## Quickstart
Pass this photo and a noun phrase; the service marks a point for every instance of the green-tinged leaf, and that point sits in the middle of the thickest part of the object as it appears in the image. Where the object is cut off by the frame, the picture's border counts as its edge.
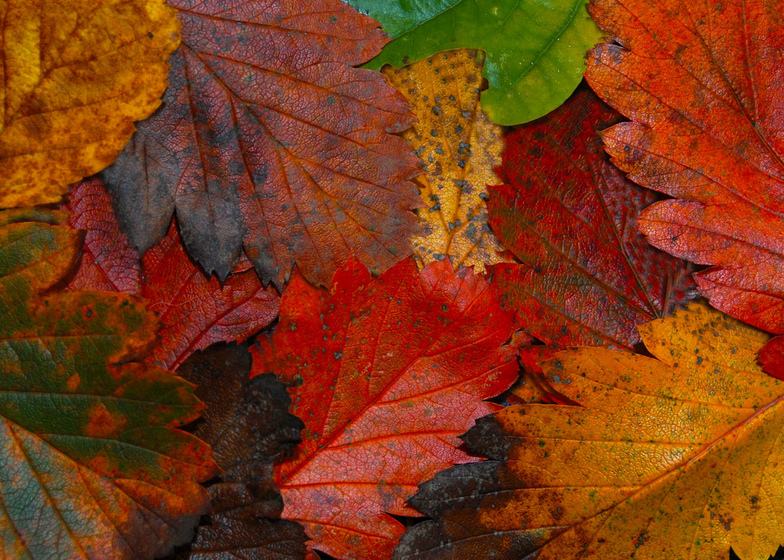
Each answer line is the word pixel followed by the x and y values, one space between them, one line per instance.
pixel 535 48
pixel 91 465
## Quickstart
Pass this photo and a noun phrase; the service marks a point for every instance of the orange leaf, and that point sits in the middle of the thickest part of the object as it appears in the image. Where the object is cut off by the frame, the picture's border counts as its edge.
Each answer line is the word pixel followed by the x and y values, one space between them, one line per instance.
pixel 678 456
pixel 702 85
pixel 391 370
pixel 75 75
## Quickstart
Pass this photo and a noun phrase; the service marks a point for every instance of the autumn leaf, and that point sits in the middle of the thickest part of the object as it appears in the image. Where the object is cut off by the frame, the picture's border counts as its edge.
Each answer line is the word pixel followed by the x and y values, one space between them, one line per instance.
pixel 195 311
pixel 247 424
pixel 676 456
pixel 535 50
pixel 270 140
pixel 459 148
pixel 392 370
pixel 587 276
pixel 75 76
pixel 93 463
pixel 702 85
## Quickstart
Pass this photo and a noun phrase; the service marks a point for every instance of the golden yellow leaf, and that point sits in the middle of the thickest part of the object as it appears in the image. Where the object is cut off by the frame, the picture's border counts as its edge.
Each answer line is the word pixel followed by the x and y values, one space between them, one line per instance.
pixel 75 74
pixel 459 147
pixel 680 456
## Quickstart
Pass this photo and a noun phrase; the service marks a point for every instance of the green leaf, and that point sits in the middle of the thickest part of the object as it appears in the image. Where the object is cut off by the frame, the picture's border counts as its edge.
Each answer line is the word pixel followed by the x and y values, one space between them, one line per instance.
pixel 91 462
pixel 535 48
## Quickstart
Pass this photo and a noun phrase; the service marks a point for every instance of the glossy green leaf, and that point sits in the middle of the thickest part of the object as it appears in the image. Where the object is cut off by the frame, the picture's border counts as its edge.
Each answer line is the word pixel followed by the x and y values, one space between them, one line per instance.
pixel 535 48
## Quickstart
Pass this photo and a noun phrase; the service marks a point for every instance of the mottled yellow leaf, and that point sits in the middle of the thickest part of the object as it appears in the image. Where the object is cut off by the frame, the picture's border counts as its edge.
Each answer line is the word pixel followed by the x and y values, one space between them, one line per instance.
pixel 75 75
pixel 459 147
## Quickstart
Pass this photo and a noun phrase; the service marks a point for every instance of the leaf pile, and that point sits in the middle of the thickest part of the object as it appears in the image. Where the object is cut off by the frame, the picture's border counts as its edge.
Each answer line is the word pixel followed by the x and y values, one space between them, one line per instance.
pixel 373 250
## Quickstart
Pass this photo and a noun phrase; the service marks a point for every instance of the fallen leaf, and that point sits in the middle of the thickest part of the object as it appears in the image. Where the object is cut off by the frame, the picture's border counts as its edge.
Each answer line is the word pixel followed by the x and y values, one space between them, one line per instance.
pixel 247 424
pixel 195 311
pixel 535 50
pixel 392 370
pixel 93 465
pixel 674 457
pixel 701 84
pixel 75 76
pixel 270 140
pixel 587 276
pixel 459 148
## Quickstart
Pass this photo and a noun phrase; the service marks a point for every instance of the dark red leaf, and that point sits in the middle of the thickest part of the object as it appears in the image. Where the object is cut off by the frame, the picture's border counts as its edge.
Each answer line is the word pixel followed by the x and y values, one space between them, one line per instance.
pixel 270 140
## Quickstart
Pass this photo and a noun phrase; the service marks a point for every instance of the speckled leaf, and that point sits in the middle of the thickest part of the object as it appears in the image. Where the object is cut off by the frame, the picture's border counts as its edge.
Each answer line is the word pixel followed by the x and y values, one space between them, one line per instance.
pixel 195 311
pixel 392 370
pixel 679 456
pixel 701 83
pixel 92 463
pixel 248 425
pixel 535 48
pixel 459 148
pixel 75 75
pixel 270 140
pixel 587 276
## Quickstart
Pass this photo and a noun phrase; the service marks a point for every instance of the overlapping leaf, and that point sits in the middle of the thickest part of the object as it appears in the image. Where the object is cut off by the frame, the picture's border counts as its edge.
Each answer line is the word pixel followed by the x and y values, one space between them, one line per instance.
pixel 75 75
pixel 248 425
pixel 535 50
pixel 587 275
pixel 702 85
pixel 92 463
pixel 675 457
pixel 270 140
pixel 459 148
pixel 392 370
pixel 195 311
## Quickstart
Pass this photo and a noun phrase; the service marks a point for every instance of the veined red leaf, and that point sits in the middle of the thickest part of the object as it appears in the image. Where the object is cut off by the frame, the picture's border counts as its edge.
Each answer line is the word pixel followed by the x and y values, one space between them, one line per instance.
pixel 391 370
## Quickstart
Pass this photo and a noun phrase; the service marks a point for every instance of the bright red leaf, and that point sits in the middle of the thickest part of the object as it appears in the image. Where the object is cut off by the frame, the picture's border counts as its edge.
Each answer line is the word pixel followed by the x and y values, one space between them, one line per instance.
pixel 702 85
pixel 391 370
pixel 195 311
pixel 587 276
pixel 269 139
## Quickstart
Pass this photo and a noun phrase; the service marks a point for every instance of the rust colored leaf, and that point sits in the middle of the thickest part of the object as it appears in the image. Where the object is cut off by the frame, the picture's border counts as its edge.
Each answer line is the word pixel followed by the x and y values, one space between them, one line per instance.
pixel 93 465
pixel 678 456
pixel 247 424
pixel 702 85
pixel 75 75
pixel 270 140
pixel 587 276
pixel 392 370
pixel 195 311
pixel 458 147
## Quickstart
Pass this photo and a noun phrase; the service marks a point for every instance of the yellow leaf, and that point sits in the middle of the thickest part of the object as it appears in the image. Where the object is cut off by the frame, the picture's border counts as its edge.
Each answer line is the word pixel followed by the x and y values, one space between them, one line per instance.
pixel 677 457
pixel 459 147
pixel 75 75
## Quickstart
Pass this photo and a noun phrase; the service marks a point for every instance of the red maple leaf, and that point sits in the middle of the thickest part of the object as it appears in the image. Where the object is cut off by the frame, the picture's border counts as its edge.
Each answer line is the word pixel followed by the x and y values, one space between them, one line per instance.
pixel 270 140
pixel 587 276
pixel 702 85
pixel 391 370
pixel 195 311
